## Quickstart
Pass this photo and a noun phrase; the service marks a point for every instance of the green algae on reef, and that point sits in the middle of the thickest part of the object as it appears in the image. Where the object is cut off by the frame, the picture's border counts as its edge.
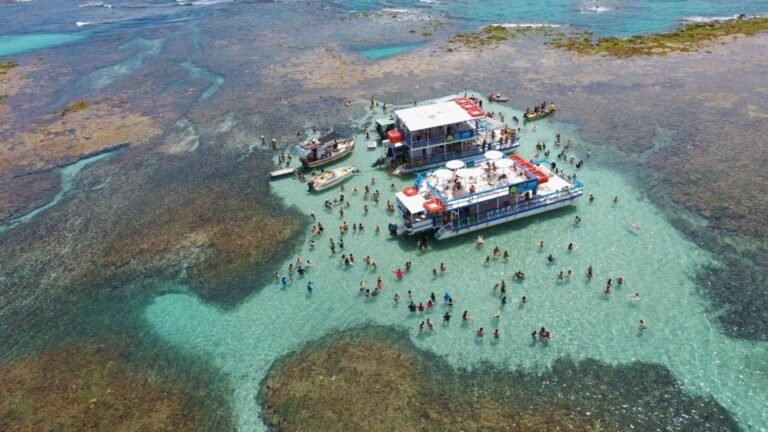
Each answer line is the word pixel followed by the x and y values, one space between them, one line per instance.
pixel 376 379
pixel 7 65
pixel 78 105
pixel 683 39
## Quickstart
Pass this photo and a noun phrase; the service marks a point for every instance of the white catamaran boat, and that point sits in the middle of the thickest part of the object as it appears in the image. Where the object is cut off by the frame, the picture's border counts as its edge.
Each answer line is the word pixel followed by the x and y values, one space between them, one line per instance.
pixel 330 178
pixel 460 198
pixel 426 136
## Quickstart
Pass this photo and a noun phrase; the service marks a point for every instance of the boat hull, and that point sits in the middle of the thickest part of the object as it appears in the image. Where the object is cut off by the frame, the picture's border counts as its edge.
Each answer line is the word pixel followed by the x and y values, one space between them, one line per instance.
pixel 308 163
pixel 318 186
pixel 444 234
pixel 538 116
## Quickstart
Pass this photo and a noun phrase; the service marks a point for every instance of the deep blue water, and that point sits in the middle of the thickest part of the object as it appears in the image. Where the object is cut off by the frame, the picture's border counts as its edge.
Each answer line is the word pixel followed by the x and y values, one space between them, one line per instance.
pixel 603 17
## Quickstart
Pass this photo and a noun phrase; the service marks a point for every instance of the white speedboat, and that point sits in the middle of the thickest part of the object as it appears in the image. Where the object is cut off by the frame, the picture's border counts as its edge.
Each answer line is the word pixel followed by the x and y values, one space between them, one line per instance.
pixel 328 178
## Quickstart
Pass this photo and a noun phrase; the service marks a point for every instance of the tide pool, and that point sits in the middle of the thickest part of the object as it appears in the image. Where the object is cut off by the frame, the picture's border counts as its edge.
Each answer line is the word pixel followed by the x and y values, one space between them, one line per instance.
pixel 22 43
pixel 377 53
pixel 656 261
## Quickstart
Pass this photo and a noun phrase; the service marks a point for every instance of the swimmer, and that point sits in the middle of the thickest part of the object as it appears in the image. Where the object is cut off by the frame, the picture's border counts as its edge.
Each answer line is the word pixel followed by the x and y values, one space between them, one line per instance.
pixel 362 285
pixel 411 307
pixel 550 258
pixel 496 251
pixel 571 246
pixel 285 281
pixel 430 324
pixel 577 220
pixel 607 290
pixel 465 316
pixel 422 325
pixel 523 300
pixel 480 332
pixel 447 317
pixel 642 325
pixel 635 297
pixel 432 296
pixel 620 280
pixel 487 259
pixel 443 267
pixel 591 198
pixel 311 244
pixel 397 297
pixel 421 307
pixel 616 200
pixel 377 229
pixel 480 241
pixel 503 301
pixel 568 274
pixel 310 285
pixel 497 315
pixel 313 216
pixel 496 333
pixel 541 244
pixel 633 225
pixel 398 273
pixel 560 276
pixel 410 295
pixel 589 271
pixel 379 283
pixel 434 272
pixel 506 255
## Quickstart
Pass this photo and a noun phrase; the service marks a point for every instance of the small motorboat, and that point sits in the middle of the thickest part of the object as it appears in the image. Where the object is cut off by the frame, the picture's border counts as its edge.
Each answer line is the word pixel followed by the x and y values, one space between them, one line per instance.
pixel 330 178
pixel 281 173
pixel 532 116
pixel 497 97
pixel 327 152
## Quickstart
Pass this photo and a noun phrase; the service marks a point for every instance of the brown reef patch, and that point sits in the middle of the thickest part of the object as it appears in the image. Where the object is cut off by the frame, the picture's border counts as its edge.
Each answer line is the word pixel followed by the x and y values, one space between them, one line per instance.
pixel 374 386
pixel 65 139
pixel 375 379
pixel 87 387
pixel 20 195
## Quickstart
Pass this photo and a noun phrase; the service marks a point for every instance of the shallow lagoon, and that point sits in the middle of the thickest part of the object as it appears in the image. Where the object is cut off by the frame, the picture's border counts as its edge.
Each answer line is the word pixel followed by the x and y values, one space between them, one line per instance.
pixel 656 261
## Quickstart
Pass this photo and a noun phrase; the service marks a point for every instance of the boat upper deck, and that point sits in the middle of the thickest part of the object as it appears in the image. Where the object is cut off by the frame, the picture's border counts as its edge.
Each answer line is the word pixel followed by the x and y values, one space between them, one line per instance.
pixel 488 179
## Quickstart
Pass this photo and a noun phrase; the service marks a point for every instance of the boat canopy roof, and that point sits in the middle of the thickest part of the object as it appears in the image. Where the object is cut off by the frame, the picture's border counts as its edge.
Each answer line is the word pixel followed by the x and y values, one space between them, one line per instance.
pixel 414 203
pixel 433 115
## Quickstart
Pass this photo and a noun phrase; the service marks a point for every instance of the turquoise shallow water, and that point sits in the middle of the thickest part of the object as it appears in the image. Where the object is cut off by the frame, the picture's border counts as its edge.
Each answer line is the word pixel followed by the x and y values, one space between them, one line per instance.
pixel 656 261
pixel 376 53
pixel 21 43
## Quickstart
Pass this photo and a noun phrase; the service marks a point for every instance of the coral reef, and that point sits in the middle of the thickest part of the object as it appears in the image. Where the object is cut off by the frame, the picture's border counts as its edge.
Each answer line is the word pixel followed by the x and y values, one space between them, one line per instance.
pixel 687 37
pixel 375 379
pixel 91 387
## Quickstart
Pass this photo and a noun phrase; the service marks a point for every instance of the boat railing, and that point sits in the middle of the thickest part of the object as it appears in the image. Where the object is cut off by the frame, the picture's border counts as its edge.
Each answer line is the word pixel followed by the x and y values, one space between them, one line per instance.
pixel 454 137
pixel 494 145
pixel 520 207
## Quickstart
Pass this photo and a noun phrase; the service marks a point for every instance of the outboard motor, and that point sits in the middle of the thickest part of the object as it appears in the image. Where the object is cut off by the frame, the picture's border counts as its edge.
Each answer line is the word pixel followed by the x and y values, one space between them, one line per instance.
pixel 378 162
pixel 393 229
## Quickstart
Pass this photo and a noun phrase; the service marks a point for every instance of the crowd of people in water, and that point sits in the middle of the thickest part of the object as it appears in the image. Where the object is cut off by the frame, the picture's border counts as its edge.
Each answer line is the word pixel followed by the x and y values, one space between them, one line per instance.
pixel 370 196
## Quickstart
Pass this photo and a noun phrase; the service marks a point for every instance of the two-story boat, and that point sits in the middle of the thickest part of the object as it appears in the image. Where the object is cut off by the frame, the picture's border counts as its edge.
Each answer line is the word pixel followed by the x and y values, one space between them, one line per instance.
pixel 426 136
pixel 463 198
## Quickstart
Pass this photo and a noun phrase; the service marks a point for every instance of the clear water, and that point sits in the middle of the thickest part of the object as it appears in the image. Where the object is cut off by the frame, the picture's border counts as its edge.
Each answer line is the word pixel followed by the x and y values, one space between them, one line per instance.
pixel 21 43
pixel 656 261
pixel 376 53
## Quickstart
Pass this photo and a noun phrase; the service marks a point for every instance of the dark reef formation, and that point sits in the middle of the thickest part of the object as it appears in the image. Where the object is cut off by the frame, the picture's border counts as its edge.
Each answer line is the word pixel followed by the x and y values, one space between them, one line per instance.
pixel 375 379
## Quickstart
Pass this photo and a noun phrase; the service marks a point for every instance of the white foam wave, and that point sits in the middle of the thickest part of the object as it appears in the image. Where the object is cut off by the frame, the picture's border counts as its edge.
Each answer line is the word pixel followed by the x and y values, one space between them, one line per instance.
pixel 429 1
pixel 706 19
pixel 596 9
pixel 396 10
pixel 528 25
